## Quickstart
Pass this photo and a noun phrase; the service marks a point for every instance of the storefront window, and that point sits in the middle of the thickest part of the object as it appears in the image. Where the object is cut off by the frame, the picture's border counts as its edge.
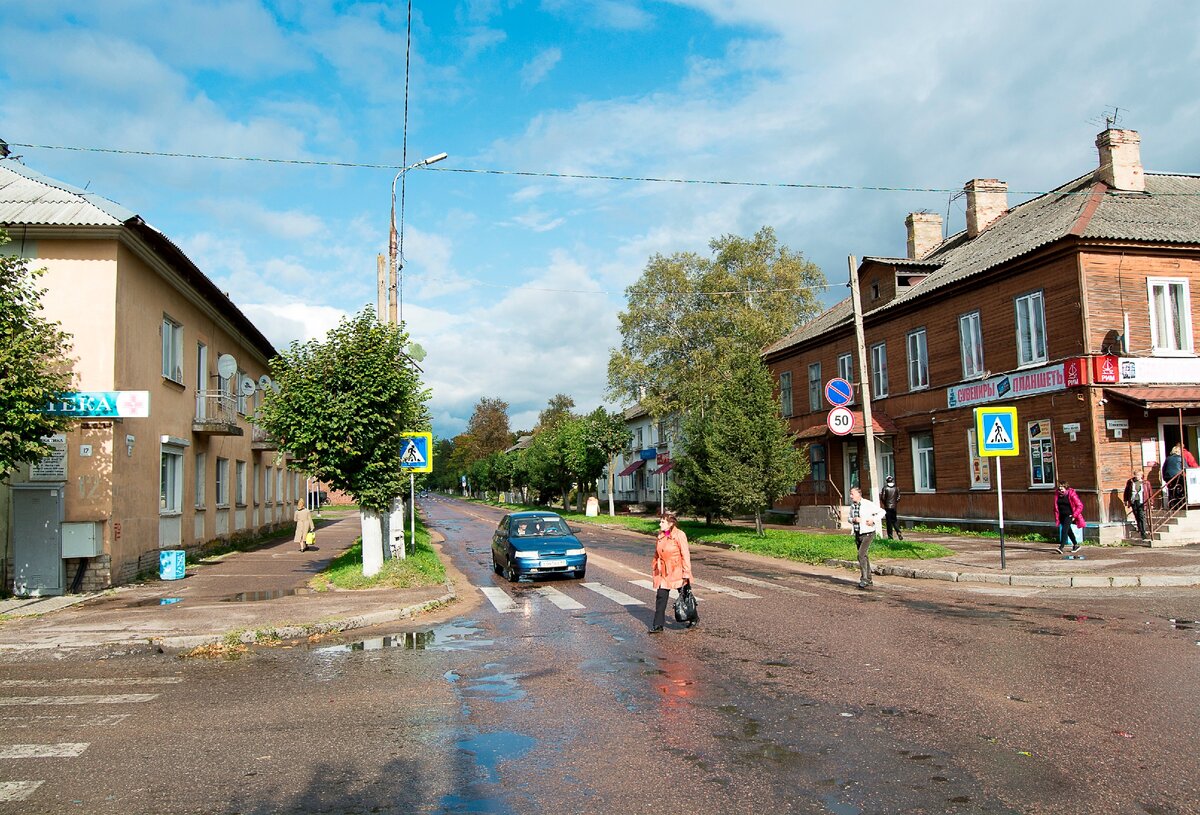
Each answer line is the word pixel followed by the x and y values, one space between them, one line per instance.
pixel 978 473
pixel 1041 454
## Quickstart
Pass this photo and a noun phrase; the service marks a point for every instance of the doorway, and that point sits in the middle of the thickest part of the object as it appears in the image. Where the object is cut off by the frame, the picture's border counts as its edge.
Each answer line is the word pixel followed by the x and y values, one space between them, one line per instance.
pixel 1168 431
pixel 37 540
pixel 850 459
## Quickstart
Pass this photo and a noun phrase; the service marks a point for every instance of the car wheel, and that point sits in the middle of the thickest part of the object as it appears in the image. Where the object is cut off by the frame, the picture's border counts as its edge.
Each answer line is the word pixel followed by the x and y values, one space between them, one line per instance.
pixel 579 574
pixel 495 564
pixel 509 573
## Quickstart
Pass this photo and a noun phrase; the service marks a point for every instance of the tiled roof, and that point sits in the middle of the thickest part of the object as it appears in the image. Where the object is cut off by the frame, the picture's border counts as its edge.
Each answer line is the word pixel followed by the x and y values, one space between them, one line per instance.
pixel 1168 211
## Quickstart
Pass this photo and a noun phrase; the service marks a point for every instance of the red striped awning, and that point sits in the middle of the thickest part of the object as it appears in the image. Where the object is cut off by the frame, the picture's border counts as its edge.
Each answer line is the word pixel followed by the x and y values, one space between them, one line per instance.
pixel 629 470
pixel 666 468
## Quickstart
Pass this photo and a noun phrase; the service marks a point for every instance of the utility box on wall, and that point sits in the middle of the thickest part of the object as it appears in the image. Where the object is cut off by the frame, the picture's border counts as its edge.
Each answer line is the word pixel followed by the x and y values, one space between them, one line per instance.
pixel 82 539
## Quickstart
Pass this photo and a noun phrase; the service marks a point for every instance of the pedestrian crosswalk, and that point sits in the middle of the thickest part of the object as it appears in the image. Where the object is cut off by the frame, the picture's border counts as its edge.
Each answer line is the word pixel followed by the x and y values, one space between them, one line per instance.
pixel 25 716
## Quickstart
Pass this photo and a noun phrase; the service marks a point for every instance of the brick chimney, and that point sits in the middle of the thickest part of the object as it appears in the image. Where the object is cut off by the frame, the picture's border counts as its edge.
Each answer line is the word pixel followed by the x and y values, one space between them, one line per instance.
pixel 987 200
pixel 1121 160
pixel 924 233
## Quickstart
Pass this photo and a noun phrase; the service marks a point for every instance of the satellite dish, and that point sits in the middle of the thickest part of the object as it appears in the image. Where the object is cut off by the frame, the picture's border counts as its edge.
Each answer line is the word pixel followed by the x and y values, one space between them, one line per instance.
pixel 264 382
pixel 247 386
pixel 226 366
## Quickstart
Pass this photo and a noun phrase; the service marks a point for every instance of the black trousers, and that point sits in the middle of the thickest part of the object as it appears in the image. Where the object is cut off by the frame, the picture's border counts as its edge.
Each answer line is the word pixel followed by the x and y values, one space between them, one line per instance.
pixel 660 608
pixel 892 523
pixel 1139 516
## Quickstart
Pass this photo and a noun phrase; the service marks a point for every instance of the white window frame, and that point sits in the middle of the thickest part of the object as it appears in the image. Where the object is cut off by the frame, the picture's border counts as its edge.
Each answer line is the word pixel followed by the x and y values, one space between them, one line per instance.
pixel 924 467
pixel 170 480
pixel 200 473
pixel 785 394
pixel 237 389
pixel 845 367
pixel 1044 441
pixel 970 344
pixel 257 471
pixel 222 483
pixel 814 386
pixel 879 376
pixel 239 483
pixel 918 360
pixel 172 349
pixel 1182 314
pixel 885 453
pixel 1031 311
pixel 979 472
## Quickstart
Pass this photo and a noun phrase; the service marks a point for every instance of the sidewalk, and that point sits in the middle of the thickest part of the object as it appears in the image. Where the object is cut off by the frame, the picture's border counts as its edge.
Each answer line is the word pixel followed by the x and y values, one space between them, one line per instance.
pixel 244 594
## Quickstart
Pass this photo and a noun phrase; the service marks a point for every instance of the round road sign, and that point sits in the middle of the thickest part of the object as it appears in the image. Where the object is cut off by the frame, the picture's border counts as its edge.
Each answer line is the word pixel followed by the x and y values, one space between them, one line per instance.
pixel 839 392
pixel 840 421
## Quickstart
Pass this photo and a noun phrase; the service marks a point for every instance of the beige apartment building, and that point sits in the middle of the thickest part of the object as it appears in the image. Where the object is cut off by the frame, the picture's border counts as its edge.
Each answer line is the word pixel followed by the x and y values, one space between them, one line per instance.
pixel 144 319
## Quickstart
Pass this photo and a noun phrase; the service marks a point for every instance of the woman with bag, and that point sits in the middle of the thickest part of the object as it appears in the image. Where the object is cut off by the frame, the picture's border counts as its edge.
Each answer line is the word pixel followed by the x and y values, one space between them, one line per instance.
pixel 1068 514
pixel 672 568
pixel 305 530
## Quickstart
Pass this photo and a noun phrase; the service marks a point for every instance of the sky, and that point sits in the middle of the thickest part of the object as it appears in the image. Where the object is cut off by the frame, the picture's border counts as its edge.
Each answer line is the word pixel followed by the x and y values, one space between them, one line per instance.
pixel 513 278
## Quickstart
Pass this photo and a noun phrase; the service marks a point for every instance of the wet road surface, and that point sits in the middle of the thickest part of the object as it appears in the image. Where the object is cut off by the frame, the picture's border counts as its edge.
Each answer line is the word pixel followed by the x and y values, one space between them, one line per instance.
pixel 797 693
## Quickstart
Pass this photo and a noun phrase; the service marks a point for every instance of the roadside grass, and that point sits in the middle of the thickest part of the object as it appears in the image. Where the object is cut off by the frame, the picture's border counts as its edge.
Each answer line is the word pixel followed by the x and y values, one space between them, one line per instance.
pixel 806 547
pixel 945 529
pixel 421 568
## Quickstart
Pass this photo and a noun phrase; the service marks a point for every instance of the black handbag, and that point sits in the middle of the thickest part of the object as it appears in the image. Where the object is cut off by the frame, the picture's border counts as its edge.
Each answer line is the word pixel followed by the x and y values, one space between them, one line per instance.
pixel 685 605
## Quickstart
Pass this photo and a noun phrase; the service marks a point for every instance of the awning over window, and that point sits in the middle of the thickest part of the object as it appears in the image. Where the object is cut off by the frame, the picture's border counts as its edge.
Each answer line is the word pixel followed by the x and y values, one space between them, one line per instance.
pixel 880 422
pixel 629 470
pixel 666 468
pixel 1177 398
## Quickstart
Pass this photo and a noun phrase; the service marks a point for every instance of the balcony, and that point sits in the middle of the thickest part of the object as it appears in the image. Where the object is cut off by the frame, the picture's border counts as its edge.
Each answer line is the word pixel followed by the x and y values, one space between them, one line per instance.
pixel 216 414
pixel 261 439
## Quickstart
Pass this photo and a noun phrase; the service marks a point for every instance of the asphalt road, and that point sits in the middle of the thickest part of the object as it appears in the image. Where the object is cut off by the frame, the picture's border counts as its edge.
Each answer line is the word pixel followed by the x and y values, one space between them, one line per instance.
pixel 797 693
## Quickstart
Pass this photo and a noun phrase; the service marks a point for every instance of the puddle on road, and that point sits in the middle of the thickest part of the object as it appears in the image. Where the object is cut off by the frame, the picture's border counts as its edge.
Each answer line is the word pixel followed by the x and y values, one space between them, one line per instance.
pixel 455 636
pixel 155 601
pixel 489 749
pixel 498 687
pixel 259 596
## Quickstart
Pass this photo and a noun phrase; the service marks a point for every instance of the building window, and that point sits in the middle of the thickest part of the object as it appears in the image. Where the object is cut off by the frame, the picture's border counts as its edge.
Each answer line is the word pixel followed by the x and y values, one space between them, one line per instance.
pixel 170 482
pixel 201 475
pixel 918 361
pixel 970 343
pixel 1170 316
pixel 1041 454
pixel 887 457
pixel 924 475
pixel 846 370
pixel 874 290
pixel 785 394
pixel 977 466
pixel 816 457
pixel 241 394
pixel 1031 329
pixel 814 386
pixel 222 482
pixel 239 483
pixel 879 376
pixel 257 484
pixel 279 496
pixel 172 350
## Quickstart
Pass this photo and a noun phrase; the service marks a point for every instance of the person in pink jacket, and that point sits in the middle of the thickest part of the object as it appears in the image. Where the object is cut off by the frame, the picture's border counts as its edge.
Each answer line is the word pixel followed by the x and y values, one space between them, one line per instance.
pixel 1068 514
pixel 672 567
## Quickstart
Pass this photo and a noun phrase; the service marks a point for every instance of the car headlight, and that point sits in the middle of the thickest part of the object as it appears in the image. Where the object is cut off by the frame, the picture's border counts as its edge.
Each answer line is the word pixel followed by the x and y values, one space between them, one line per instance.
pixel 527 553
pixel 576 552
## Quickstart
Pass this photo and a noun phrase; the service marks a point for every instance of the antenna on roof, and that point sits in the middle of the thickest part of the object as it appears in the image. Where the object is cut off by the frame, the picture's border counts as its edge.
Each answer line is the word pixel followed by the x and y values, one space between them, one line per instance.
pixel 1110 118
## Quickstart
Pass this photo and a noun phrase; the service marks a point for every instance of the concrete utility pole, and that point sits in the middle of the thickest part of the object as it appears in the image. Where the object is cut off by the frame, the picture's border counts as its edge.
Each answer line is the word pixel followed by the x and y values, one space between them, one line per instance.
pixel 381 284
pixel 860 341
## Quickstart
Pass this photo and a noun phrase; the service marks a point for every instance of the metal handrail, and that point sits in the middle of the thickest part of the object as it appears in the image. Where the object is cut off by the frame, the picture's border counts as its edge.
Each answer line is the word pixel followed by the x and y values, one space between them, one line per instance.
pixel 1162 496
pixel 216 406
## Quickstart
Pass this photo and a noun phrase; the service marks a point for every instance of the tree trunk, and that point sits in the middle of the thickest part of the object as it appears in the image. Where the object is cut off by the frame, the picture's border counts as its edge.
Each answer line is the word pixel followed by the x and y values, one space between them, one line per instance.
pixel 758 526
pixel 612 478
pixel 372 541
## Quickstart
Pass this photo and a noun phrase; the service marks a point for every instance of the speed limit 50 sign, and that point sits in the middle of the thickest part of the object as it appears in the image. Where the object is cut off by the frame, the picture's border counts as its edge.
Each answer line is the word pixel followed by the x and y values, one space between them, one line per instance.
pixel 840 420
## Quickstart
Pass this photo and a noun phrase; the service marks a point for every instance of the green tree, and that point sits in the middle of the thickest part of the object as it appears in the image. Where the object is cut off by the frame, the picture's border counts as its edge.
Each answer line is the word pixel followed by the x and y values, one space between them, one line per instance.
pixel 487 431
pixel 744 455
pixel 688 315
pixel 559 408
pixel 606 434
pixel 548 462
pixel 341 407
pixel 34 369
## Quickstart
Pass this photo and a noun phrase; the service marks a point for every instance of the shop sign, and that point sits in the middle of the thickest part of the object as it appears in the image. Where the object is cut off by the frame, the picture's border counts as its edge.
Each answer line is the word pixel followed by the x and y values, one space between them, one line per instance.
pixel 1008 386
pixel 1075 372
pixel 1106 370
pixel 1160 370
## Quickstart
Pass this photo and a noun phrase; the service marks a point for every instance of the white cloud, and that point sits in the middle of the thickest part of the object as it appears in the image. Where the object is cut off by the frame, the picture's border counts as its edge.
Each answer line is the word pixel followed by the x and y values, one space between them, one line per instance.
pixel 538 68
pixel 285 323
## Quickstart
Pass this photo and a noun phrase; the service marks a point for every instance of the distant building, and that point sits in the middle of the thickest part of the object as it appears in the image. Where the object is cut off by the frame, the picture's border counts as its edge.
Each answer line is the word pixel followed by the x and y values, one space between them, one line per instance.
pixel 1073 307
pixel 143 318
pixel 644 469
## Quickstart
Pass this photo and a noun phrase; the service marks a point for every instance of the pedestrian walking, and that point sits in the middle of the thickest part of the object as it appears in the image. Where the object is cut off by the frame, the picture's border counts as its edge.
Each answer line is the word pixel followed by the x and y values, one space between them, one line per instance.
pixel 863 517
pixel 1068 514
pixel 672 567
pixel 1135 501
pixel 1172 476
pixel 304 525
pixel 889 499
pixel 1188 459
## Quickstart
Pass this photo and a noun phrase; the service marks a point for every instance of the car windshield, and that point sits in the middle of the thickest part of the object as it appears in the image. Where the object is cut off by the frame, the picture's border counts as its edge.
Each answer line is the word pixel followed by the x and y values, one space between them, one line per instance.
pixel 538 527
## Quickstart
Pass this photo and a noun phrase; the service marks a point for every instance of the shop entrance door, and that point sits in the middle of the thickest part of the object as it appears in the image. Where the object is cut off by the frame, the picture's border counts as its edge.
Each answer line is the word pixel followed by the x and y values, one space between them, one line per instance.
pixel 37 540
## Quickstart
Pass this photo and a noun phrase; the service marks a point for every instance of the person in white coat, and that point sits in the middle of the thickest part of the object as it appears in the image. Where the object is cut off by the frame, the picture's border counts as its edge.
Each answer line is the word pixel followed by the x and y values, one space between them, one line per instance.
pixel 864 518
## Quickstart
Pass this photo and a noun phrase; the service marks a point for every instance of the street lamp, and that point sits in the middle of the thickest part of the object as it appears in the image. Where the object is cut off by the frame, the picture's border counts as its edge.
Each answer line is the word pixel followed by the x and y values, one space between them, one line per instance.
pixel 394 266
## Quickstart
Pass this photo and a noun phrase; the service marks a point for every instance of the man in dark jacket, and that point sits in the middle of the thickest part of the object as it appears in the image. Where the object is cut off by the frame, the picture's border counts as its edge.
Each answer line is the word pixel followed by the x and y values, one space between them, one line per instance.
pixel 889 499
pixel 1172 469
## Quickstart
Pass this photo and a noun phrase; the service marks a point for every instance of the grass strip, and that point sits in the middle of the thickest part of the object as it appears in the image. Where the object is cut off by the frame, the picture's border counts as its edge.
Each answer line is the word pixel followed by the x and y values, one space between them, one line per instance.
pixel 421 568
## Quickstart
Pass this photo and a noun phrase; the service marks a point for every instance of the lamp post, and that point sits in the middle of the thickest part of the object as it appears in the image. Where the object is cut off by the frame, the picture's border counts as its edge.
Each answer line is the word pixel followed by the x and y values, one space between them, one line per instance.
pixel 395 266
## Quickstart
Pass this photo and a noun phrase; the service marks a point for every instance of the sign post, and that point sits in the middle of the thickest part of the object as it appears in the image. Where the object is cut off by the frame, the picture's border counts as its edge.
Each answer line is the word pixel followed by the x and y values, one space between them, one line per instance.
pixel 996 435
pixel 416 456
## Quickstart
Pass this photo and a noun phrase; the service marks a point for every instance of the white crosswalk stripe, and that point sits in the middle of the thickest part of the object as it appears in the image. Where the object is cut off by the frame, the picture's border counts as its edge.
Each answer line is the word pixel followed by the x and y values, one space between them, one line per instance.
pixel 125 680
pixel 613 594
pixel 63 720
pixel 111 699
pixel 17 790
pixel 503 603
pixel 69 749
pixel 646 584
pixel 559 599
pixel 738 593
pixel 766 584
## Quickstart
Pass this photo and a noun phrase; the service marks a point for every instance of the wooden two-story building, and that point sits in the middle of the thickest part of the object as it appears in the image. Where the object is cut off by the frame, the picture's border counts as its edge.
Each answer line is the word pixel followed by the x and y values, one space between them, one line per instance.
pixel 1073 307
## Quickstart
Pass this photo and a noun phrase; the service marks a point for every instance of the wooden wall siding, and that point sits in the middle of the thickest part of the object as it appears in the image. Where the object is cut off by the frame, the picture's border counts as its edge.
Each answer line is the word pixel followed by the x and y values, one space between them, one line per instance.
pixel 883 276
pixel 1116 285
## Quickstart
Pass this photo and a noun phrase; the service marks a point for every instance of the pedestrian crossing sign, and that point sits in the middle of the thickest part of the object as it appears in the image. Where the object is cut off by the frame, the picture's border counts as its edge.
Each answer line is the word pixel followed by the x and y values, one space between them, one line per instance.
pixel 996 431
pixel 416 452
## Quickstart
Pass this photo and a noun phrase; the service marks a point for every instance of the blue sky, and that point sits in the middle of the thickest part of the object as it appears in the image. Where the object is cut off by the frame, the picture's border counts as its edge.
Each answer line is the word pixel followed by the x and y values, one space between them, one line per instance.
pixel 513 283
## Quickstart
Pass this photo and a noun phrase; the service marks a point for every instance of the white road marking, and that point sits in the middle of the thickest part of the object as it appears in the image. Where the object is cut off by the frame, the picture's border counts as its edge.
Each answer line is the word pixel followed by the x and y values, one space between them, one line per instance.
pixel 613 594
pixel 646 584
pixel 738 593
pixel 65 720
pixel 17 790
pixel 113 699
pixel 767 584
pixel 500 599
pixel 131 680
pixel 66 749
pixel 559 599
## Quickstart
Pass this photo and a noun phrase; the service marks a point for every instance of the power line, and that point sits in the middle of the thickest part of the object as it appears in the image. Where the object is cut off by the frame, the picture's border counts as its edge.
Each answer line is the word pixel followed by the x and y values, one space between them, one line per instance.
pixel 692 293
pixel 552 175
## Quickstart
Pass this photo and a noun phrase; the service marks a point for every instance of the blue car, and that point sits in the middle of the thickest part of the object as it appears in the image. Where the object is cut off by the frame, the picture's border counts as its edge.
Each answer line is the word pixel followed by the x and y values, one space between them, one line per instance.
pixel 536 544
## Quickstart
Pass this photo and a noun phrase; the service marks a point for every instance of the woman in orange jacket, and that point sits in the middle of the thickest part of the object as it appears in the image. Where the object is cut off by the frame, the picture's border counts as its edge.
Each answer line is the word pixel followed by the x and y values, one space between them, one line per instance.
pixel 672 566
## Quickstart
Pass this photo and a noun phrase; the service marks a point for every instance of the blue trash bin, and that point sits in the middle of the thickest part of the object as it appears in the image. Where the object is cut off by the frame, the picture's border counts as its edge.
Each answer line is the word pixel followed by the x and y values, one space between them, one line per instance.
pixel 171 564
